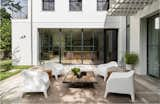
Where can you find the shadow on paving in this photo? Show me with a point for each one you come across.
(60, 93)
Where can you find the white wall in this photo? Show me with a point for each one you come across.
(21, 43)
(138, 34)
(21, 40)
(89, 17)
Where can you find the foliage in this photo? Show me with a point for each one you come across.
(5, 38)
(4, 75)
(7, 70)
(76, 71)
(5, 65)
(8, 6)
(4, 14)
(131, 58)
(21, 67)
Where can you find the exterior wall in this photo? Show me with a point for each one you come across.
(138, 34)
(21, 40)
(89, 17)
(21, 43)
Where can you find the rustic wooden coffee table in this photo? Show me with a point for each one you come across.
(87, 78)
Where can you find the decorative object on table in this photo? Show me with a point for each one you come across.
(76, 72)
(131, 60)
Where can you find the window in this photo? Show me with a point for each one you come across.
(75, 5)
(18, 14)
(102, 5)
(48, 5)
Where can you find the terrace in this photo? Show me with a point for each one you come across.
(147, 90)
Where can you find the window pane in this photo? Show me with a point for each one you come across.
(23, 13)
(75, 5)
(102, 5)
(48, 4)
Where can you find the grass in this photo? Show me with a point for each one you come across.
(6, 69)
(7, 74)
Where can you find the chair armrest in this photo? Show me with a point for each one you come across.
(44, 77)
(120, 77)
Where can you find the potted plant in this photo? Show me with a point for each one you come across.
(131, 59)
(76, 71)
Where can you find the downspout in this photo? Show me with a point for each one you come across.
(126, 35)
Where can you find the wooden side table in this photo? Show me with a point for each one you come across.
(49, 72)
(39, 68)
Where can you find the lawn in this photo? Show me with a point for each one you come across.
(7, 69)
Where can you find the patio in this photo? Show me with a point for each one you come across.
(147, 91)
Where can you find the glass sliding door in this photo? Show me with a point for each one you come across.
(78, 46)
(111, 45)
(153, 48)
(92, 46)
(82, 46)
(72, 46)
(49, 45)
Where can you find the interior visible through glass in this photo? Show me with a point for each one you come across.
(78, 46)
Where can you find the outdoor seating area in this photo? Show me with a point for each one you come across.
(90, 87)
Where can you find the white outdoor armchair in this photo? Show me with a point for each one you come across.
(122, 83)
(35, 81)
(56, 68)
(102, 68)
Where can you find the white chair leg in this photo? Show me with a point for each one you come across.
(56, 77)
(22, 94)
(45, 94)
(105, 78)
(133, 97)
(105, 94)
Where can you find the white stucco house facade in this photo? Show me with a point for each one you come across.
(60, 18)
(26, 38)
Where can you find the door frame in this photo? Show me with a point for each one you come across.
(158, 14)
(104, 44)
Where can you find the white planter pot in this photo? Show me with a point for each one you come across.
(128, 67)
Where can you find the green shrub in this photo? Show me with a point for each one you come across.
(131, 58)
(7, 74)
(5, 65)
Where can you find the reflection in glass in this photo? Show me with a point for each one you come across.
(153, 48)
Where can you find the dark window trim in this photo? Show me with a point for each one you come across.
(148, 45)
(49, 2)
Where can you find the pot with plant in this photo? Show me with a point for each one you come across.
(76, 72)
(131, 60)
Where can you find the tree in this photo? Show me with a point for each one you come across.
(8, 6)
(4, 14)
(5, 32)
